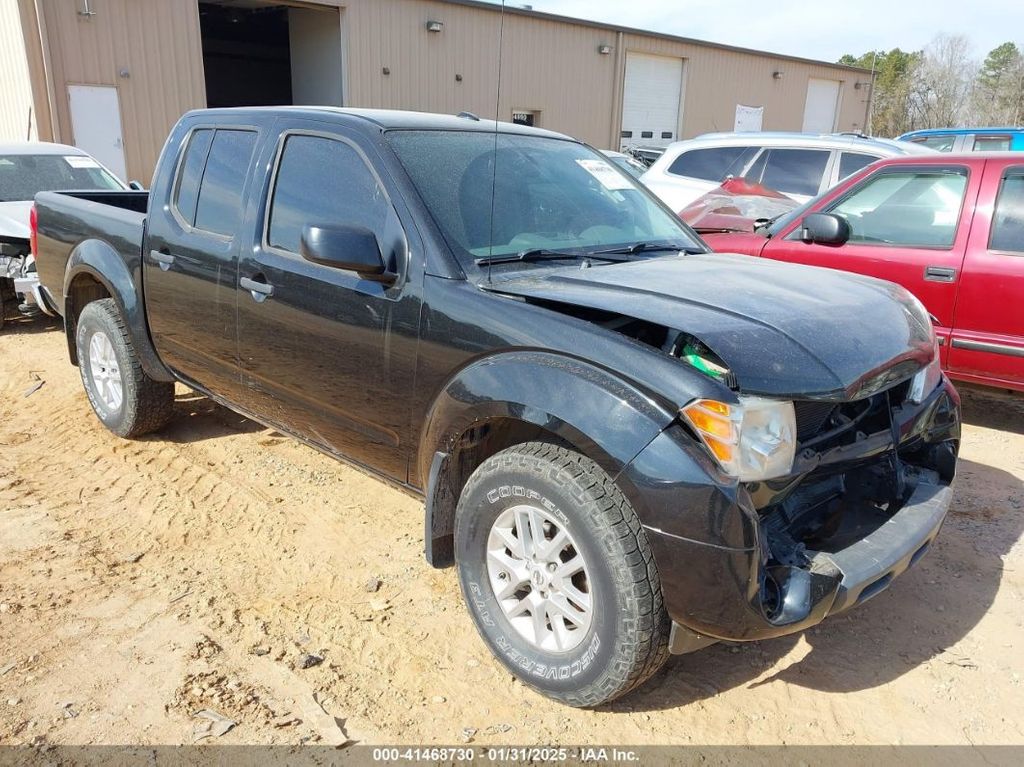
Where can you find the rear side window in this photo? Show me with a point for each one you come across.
(851, 162)
(991, 144)
(219, 207)
(1008, 222)
(713, 164)
(323, 181)
(791, 171)
(191, 173)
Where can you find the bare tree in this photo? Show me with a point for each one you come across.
(942, 84)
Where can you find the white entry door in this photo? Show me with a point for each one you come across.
(820, 109)
(96, 124)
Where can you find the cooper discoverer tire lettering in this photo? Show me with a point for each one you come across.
(124, 398)
(559, 576)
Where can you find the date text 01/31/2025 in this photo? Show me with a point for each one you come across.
(503, 754)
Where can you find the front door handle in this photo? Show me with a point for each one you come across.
(163, 260)
(940, 274)
(260, 291)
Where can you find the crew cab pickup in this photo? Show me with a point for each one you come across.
(949, 228)
(629, 446)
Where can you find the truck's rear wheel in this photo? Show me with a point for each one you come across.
(125, 399)
(559, 576)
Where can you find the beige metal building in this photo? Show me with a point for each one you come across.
(112, 76)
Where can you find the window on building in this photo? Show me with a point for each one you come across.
(219, 207)
(712, 164)
(323, 181)
(1008, 222)
(908, 208)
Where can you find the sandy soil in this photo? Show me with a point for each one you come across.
(143, 581)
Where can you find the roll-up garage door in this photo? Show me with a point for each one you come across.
(650, 100)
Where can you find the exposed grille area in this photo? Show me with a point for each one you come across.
(811, 417)
(816, 421)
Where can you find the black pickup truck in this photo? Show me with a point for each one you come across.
(629, 446)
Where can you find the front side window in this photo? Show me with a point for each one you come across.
(323, 181)
(219, 206)
(24, 175)
(712, 164)
(790, 171)
(909, 208)
(504, 194)
(938, 143)
(1008, 221)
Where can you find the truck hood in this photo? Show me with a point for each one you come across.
(14, 220)
(784, 330)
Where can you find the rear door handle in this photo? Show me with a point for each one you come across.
(163, 260)
(260, 291)
(939, 274)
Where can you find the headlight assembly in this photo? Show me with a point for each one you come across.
(752, 441)
(925, 381)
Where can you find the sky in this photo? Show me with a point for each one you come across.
(816, 29)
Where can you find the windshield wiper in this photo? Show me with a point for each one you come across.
(640, 247)
(534, 254)
(547, 254)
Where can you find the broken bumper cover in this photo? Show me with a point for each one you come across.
(713, 551)
(835, 581)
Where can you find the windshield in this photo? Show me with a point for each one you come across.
(548, 194)
(22, 175)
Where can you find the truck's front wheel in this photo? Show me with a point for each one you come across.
(559, 576)
(125, 399)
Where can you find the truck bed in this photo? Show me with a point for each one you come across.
(69, 219)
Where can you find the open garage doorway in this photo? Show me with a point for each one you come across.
(258, 53)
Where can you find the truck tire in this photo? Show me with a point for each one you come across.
(124, 398)
(8, 300)
(579, 618)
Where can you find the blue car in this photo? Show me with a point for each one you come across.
(969, 139)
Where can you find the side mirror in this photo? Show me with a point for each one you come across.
(353, 248)
(825, 228)
(136, 186)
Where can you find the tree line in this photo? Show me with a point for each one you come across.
(942, 86)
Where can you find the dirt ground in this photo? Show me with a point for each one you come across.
(143, 581)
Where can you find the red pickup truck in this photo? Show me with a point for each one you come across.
(948, 228)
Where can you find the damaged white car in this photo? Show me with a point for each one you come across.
(27, 168)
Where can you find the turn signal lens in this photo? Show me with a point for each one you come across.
(752, 440)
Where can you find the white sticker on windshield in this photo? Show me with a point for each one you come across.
(610, 178)
(80, 161)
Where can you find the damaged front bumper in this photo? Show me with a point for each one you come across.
(746, 562)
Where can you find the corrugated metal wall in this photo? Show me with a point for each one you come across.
(718, 79)
(550, 66)
(18, 120)
(555, 67)
(155, 43)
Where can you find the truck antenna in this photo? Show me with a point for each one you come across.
(494, 164)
